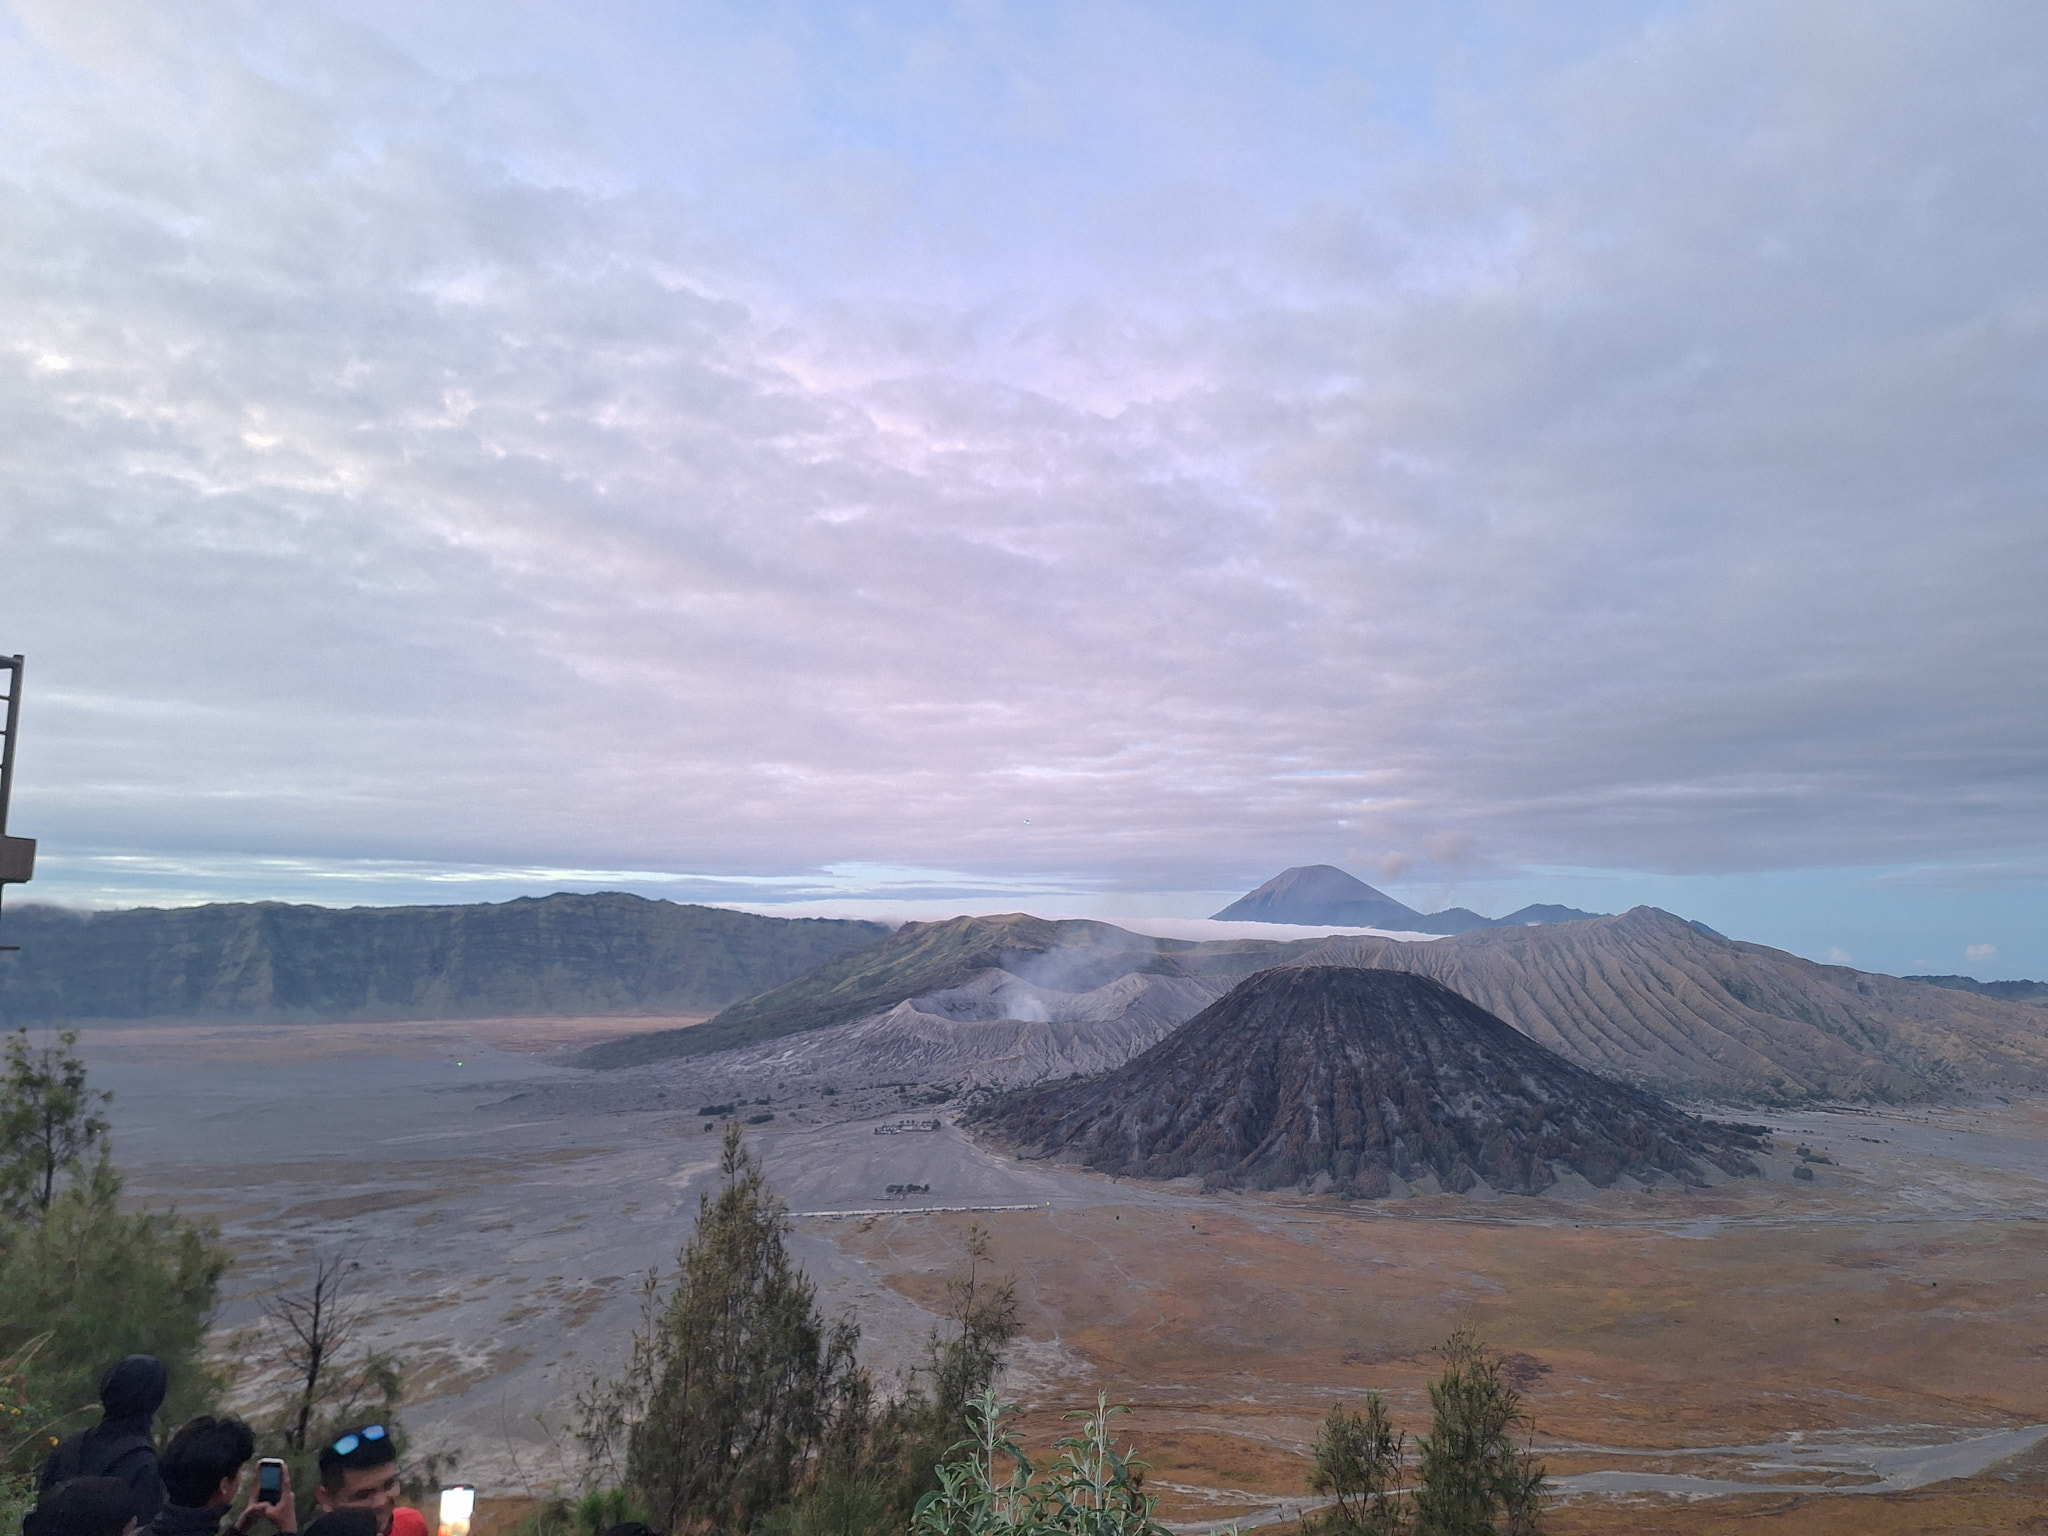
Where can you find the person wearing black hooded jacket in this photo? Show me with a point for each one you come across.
(119, 1446)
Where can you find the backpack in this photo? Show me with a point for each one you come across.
(87, 1454)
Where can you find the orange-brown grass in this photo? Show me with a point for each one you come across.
(2012, 1498)
(1232, 1327)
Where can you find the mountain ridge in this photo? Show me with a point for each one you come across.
(568, 953)
(2034, 993)
(1649, 997)
(921, 959)
(1643, 996)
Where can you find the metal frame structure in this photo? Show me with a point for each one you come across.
(17, 854)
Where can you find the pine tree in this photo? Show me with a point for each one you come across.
(736, 1388)
(49, 1121)
(84, 1276)
(919, 1429)
(879, 1461)
(90, 1281)
(1474, 1481)
(1358, 1463)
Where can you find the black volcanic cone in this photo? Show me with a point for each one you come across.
(1305, 1070)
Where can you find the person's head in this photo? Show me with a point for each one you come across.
(134, 1388)
(86, 1506)
(204, 1461)
(359, 1470)
(344, 1522)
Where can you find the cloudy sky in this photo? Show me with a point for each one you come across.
(1084, 457)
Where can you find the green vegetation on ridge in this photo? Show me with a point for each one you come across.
(921, 958)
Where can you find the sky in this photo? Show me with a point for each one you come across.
(1082, 458)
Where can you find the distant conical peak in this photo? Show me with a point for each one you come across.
(1321, 882)
(1319, 893)
(1322, 895)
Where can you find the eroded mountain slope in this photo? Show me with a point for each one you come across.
(994, 1032)
(1369, 1082)
(924, 961)
(1644, 996)
(1652, 998)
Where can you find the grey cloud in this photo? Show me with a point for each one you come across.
(1651, 480)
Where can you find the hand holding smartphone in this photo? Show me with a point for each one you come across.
(272, 1499)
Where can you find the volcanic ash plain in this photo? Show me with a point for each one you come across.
(1882, 1326)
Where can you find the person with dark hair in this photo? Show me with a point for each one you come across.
(86, 1506)
(359, 1470)
(344, 1522)
(119, 1446)
(201, 1468)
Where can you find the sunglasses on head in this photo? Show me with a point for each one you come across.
(357, 1437)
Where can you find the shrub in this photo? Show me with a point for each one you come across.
(592, 1515)
(1474, 1481)
(89, 1283)
(24, 1436)
(1359, 1457)
(1093, 1489)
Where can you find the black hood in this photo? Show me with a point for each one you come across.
(134, 1388)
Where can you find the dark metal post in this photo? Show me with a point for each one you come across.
(12, 665)
(17, 854)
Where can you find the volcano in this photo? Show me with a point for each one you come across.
(1315, 894)
(1368, 1083)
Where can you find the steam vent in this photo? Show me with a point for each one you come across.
(1366, 1083)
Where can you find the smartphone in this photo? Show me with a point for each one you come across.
(457, 1505)
(269, 1480)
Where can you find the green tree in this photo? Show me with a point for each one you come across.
(1359, 1457)
(735, 1386)
(963, 1354)
(90, 1282)
(931, 1415)
(49, 1121)
(1474, 1481)
(879, 1462)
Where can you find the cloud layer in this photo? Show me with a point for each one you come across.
(1104, 443)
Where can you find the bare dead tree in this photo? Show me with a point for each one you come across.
(313, 1325)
